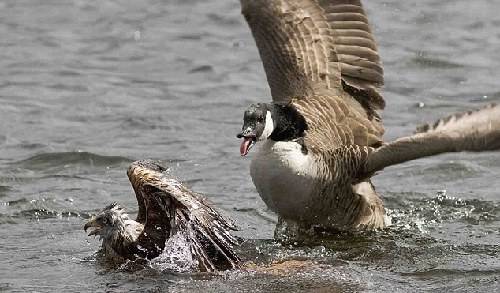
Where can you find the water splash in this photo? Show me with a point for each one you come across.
(430, 213)
(176, 257)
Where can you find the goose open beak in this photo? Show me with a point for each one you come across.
(249, 139)
(246, 145)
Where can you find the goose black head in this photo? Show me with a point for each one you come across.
(258, 125)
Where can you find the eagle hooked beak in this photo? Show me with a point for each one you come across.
(92, 223)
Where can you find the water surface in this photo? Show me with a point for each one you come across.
(87, 87)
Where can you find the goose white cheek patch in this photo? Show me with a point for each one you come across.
(268, 128)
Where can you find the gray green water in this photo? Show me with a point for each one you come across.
(88, 86)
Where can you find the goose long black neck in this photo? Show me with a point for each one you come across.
(289, 124)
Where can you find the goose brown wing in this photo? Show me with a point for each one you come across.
(334, 122)
(316, 47)
(472, 131)
(295, 44)
(362, 72)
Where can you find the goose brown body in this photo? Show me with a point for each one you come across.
(321, 186)
(321, 60)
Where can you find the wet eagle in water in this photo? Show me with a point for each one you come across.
(166, 207)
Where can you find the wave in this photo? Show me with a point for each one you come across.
(50, 160)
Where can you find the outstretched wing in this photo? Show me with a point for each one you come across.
(360, 66)
(316, 47)
(205, 229)
(157, 222)
(473, 131)
(173, 208)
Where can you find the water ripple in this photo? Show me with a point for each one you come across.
(50, 160)
(125, 79)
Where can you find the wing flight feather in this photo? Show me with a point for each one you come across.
(315, 47)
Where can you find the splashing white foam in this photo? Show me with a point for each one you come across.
(176, 256)
(427, 214)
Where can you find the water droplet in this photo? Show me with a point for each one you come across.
(137, 35)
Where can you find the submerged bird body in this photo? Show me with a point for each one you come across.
(118, 233)
(321, 135)
(166, 208)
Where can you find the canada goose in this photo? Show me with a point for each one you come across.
(166, 207)
(321, 135)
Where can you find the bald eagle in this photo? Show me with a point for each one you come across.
(166, 207)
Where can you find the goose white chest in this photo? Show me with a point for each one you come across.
(285, 177)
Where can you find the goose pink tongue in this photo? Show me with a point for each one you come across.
(245, 145)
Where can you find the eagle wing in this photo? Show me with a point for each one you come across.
(171, 208)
